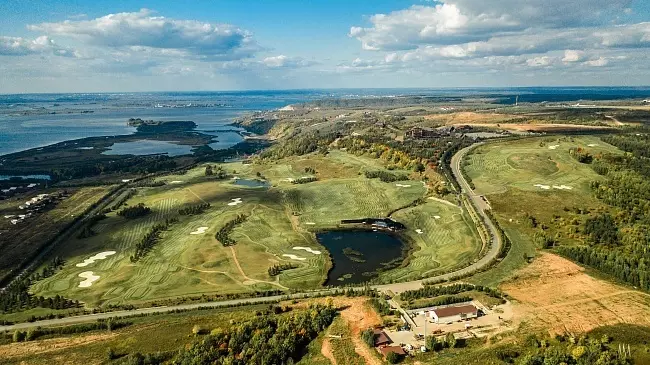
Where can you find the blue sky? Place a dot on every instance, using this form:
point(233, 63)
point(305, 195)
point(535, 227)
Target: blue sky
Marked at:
point(83, 46)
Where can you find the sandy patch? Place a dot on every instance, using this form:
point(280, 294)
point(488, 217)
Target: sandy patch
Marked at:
point(592, 145)
point(126, 180)
point(545, 187)
point(235, 201)
point(294, 257)
point(562, 187)
point(92, 259)
point(176, 182)
point(288, 108)
point(200, 230)
point(556, 294)
point(90, 279)
point(310, 223)
point(437, 217)
point(402, 186)
point(419, 231)
point(553, 147)
point(289, 179)
point(315, 252)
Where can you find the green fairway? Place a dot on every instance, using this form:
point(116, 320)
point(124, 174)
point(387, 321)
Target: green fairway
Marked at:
point(507, 173)
point(522, 164)
point(279, 230)
point(444, 236)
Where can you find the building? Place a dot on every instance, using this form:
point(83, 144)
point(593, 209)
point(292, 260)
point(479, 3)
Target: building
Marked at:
point(454, 313)
point(381, 338)
point(422, 132)
point(394, 349)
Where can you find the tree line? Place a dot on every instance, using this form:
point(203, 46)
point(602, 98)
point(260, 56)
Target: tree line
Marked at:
point(386, 176)
point(150, 239)
point(194, 209)
point(304, 180)
point(223, 235)
point(135, 211)
point(276, 269)
point(429, 291)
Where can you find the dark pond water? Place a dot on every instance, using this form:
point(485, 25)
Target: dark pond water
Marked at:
point(357, 255)
point(148, 147)
point(251, 183)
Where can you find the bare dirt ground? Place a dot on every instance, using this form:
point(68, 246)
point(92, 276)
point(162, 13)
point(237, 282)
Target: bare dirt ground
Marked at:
point(326, 350)
point(555, 294)
point(44, 346)
point(358, 316)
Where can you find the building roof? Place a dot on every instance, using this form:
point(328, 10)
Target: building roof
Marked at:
point(453, 311)
point(380, 337)
point(388, 349)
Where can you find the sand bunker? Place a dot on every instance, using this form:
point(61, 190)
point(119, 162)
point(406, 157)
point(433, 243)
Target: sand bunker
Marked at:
point(235, 201)
point(562, 187)
point(294, 257)
point(289, 179)
point(310, 223)
point(553, 147)
point(402, 186)
point(545, 187)
point(200, 230)
point(419, 231)
point(92, 259)
point(90, 279)
point(315, 252)
point(592, 145)
point(176, 182)
point(437, 217)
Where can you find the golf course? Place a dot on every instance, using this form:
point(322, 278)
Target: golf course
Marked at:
point(276, 218)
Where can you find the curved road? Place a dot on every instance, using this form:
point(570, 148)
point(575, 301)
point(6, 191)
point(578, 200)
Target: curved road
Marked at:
point(478, 204)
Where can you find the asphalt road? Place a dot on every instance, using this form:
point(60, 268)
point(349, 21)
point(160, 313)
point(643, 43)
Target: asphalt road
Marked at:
point(476, 200)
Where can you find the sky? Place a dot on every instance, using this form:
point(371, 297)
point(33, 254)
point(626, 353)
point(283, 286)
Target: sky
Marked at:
point(129, 45)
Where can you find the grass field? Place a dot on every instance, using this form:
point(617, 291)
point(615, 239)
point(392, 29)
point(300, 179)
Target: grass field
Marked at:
point(165, 332)
point(281, 217)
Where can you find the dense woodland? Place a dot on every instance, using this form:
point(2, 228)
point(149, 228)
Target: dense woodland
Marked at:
point(618, 242)
point(270, 339)
point(386, 176)
point(135, 165)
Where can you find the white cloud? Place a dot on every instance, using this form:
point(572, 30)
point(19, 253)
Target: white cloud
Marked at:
point(142, 29)
point(283, 61)
point(572, 56)
point(600, 62)
point(539, 61)
point(17, 46)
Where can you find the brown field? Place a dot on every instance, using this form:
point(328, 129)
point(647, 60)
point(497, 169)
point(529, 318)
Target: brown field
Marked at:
point(506, 122)
point(471, 117)
point(555, 294)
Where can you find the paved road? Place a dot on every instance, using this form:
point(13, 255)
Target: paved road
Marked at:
point(476, 200)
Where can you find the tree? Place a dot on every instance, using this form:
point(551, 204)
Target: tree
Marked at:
point(392, 358)
point(419, 167)
point(368, 336)
point(450, 340)
point(110, 354)
point(18, 336)
point(432, 343)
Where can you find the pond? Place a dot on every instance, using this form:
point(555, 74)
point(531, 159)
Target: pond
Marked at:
point(358, 255)
point(28, 177)
point(148, 147)
point(252, 183)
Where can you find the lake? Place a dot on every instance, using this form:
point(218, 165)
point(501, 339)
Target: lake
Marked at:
point(357, 255)
point(148, 147)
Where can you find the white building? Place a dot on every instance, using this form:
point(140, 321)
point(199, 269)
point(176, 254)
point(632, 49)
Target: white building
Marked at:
point(454, 313)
